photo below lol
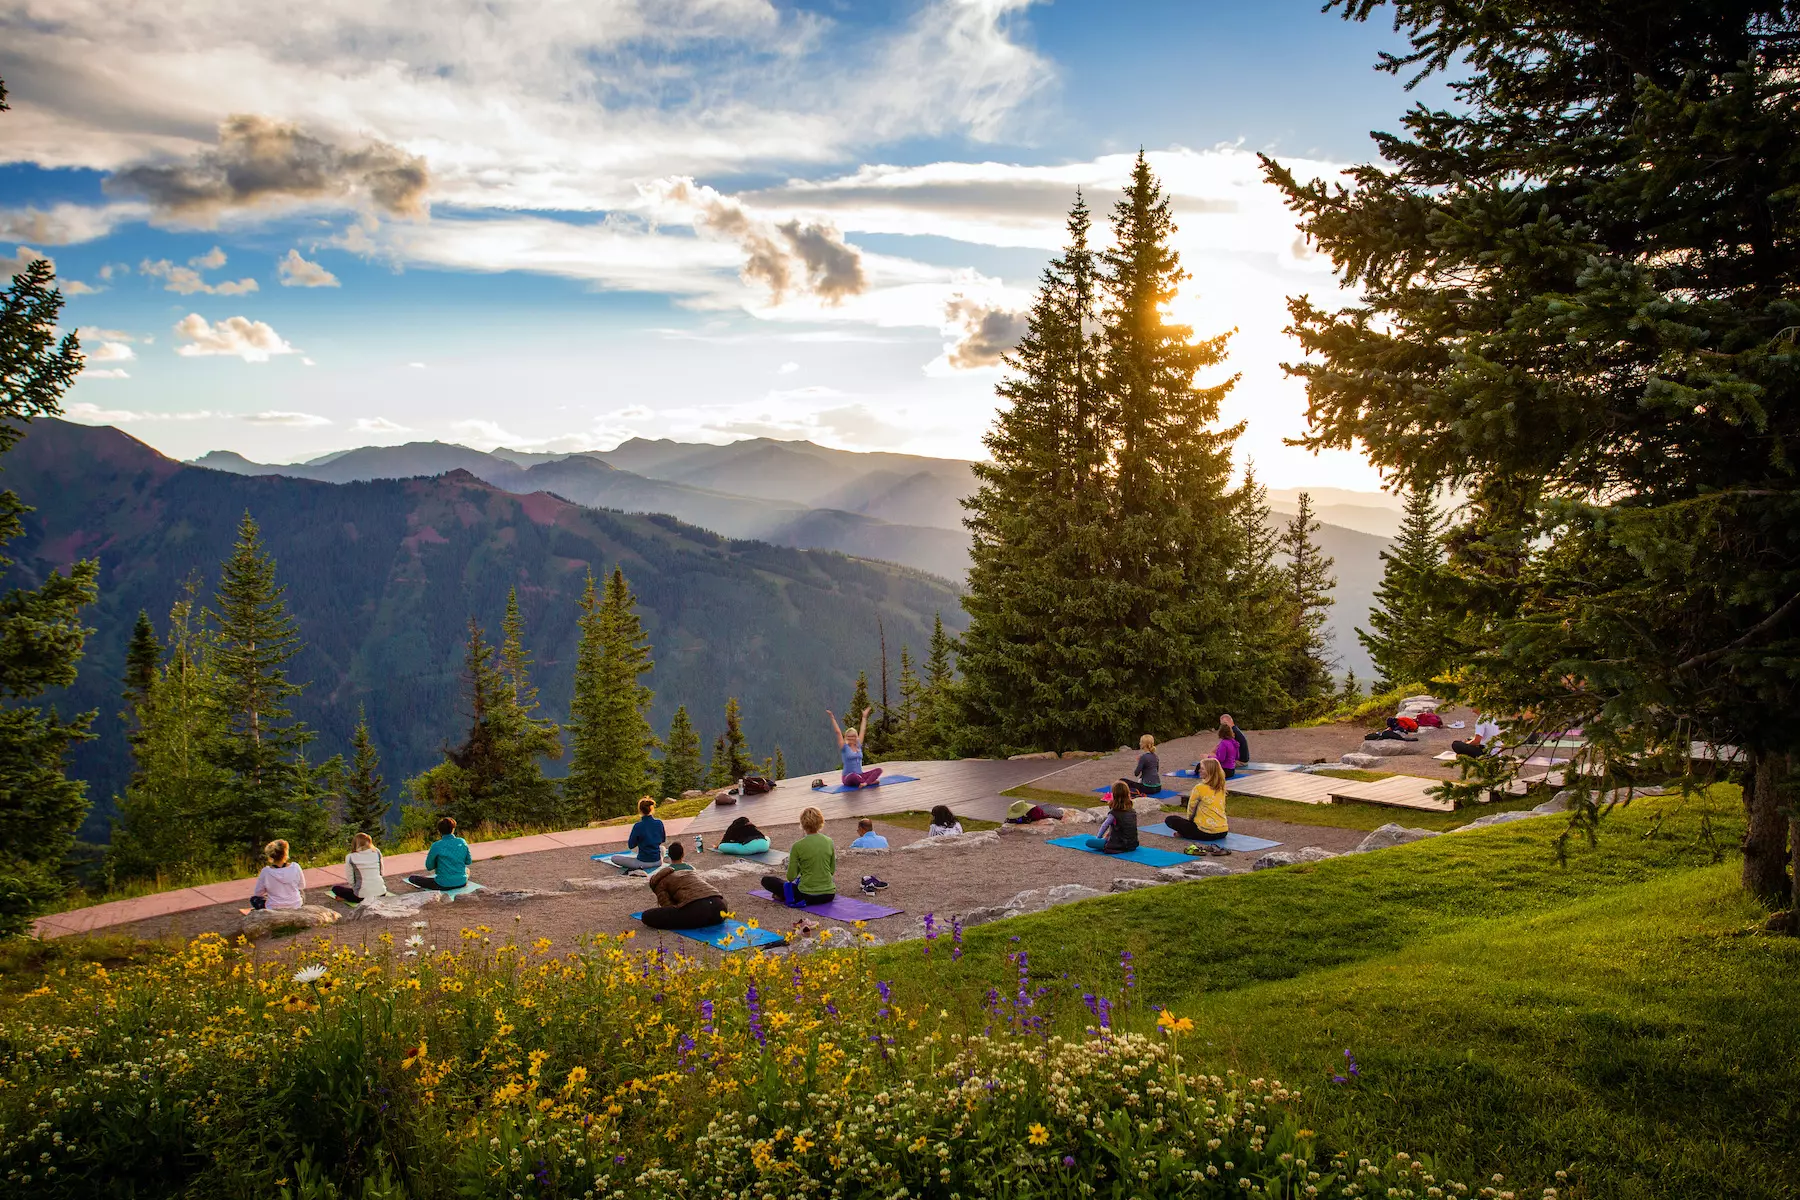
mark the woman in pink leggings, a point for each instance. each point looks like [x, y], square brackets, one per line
[850, 744]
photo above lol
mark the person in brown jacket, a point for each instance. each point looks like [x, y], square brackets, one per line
[683, 899]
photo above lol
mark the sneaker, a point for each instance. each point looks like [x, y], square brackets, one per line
[872, 883]
[868, 889]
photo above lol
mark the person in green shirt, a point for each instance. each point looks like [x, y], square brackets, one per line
[811, 864]
[448, 860]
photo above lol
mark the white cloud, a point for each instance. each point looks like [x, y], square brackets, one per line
[109, 352]
[787, 368]
[105, 373]
[983, 332]
[782, 256]
[239, 337]
[74, 287]
[296, 271]
[417, 366]
[187, 280]
[66, 224]
[484, 435]
[212, 260]
[379, 425]
[94, 414]
[287, 420]
[22, 257]
[95, 333]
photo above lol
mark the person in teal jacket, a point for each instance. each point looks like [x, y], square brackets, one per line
[448, 861]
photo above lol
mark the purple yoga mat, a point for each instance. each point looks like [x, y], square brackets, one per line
[841, 908]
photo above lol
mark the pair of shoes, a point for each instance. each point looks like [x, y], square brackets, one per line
[872, 884]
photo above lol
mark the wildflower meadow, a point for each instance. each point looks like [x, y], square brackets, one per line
[459, 1063]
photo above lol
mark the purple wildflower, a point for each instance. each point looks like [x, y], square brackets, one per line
[1068, 1160]
[1093, 1005]
[753, 1003]
[930, 932]
[955, 938]
[706, 1016]
[1105, 1013]
[682, 1050]
[618, 1160]
[887, 993]
[1125, 965]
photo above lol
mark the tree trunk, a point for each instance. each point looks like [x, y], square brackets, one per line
[1766, 830]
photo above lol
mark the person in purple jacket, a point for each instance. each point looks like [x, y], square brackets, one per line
[1227, 751]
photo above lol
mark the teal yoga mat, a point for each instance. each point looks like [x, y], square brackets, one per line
[1144, 855]
[1231, 841]
[727, 935]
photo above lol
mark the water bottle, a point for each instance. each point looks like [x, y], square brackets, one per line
[699, 844]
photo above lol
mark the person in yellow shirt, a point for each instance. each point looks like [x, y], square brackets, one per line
[1204, 820]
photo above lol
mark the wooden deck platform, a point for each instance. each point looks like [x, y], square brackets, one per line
[1284, 785]
[970, 786]
[1399, 791]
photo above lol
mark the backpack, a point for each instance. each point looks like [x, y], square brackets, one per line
[756, 785]
[790, 895]
[1408, 725]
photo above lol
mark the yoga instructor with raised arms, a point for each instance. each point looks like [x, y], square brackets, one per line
[850, 747]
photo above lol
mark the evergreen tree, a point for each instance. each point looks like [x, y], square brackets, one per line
[271, 786]
[609, 720]
[1406, 637]
[718, 768]
[737, 750]
[1577, 307]
[1306, 673]
[364, 791]
[41, 633]
[1352, 690]
[470, 784]
[906, 737]
[164, 824]
[938, 709]
[520, 737]
[778, 767]
[1266, 627]
[586, 781]
[142, 657]
[681, 756]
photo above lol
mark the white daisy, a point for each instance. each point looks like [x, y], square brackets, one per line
[310, 974]
[421, 924]
[415, 940]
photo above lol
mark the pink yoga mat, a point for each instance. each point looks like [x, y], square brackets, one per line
[841, 908]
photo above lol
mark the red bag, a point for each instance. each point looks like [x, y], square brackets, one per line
[1431, 719]
[1408, 725]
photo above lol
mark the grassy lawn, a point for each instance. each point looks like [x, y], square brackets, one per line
[920, 819]
[668, 810]
[1038, 795]
[1618, 1015]
[1355, 774]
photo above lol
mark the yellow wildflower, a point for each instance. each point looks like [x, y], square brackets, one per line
[1039, 1136]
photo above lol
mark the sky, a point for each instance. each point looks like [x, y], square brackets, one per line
[287, 230]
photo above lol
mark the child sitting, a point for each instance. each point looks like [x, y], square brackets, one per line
[943, 822]
[281, 883]
[1146, 779]
[448, 860]
[1119, 828]
[867, 838]
[362, 870]
[1204, 820]
[741, 837]
[683, 899]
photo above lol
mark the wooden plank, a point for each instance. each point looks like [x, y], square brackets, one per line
[971, 787]
[1399, 791]
[1284, 785]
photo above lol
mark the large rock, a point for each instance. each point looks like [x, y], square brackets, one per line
[1082, 816]
[1390, 749]
[1133, 883]
[1357, 758]
[863, 851]
[1412, 706]
[1034, 900]
[1391, 835]
[955, 841]
[1199, 868]
[1500, 818]
[261, 922]
[395, 906]
[1288, 858]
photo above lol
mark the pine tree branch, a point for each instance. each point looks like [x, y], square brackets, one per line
[1761, 627]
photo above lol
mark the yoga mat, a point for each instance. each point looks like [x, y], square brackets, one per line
[769, 858]
[1164, 794]
[1143, 855]
[727, 935]
[841, 908]
[626, 862]
[884, 781]
[1231, 841]
[1184, 773]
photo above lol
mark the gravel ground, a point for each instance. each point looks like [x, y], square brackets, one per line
[945, 882]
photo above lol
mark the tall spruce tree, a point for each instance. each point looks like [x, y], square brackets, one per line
[609, 720]
[1306, 670]
[938, 708]
[142, 657]
[586, 781]
[1267, 630]
[164, 824]
[906, 736]
[520, 736]
[41, 634]
[718, 767]
[363, 790]
[1577, 306]
[737, 749]
[681, 756]
[1407, 634]
[470, 784]
[1037, 530]
[778, 764]
[271, 786]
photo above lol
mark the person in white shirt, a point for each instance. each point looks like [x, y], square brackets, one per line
[943, 822]
[362, 872]
[282, 883]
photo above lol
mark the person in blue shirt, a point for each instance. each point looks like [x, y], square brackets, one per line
[448, 861]
[648, 835]
[850, 747]
[867, 838]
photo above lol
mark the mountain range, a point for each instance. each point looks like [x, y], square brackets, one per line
[901, 508]
[382, 576]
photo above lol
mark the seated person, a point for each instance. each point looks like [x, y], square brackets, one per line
[362, 870]
[1473, 748]
[1391, 733]
[850, 748]
[943, 822]
[1226, 752]
[448, 860]
[1119, 828]
[683, 899]
[741, 837]
[1237, 735]
[1204, 820]
[647, 835]
[812, 864]
[1147, 779]
[1024, 812]
[281, 883]
[867, 838]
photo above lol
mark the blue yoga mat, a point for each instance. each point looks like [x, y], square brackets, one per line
[1231, 841]
[884, 781]
[1144, 855]
[1164, 794]
[626, 861]
[727, 935]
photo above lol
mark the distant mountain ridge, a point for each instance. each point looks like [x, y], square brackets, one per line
[383, 575]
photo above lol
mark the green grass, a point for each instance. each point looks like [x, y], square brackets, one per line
[1620, 1013]
[669, 810]
[920, 820]
[1364, 710]
[1038, 795]
[24, 962]
[1355, 774]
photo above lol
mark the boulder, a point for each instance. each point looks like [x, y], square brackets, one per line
[1148, 805]
[1357, 758]
[1412, 706]
[693, 793]
[1390, 749]
[1500, 818]
[1034, 900]
[394, 906]
[514, 895]
[863, 851]
[988, 913]
[955, 841]
[1391, 835]
[261, 922]
[1199, 868]
[1133, 883]
[1288, 858]
[1082, 816]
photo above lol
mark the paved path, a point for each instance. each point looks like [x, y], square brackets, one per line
[161, 904]
[970, 786]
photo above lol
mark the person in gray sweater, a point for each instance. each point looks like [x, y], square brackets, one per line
[1119, 828]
